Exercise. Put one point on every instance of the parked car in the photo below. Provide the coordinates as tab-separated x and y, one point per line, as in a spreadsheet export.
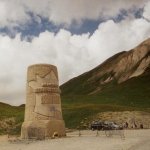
97	125
111	126
100	125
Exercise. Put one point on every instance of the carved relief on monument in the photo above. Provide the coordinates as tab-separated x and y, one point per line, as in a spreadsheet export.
50	99
46	92
40	117
50	111
49	79
41	70
43	104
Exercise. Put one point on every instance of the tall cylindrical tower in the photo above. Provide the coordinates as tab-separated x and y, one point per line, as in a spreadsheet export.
43	115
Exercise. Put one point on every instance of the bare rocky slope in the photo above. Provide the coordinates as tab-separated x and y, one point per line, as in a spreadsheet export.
117	69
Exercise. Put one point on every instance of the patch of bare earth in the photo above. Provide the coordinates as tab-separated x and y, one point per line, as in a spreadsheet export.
131	117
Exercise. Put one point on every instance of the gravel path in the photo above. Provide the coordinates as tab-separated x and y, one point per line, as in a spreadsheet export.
134	140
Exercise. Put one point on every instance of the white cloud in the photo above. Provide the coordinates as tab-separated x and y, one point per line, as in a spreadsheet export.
12	13
146	12
16	12
72	54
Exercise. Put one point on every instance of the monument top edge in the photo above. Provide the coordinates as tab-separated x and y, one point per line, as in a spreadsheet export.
41	64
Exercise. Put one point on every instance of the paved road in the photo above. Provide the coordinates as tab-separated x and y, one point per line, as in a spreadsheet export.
144	145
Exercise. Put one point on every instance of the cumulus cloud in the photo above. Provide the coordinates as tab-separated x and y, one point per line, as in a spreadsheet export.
12	13
17	12
146	12
72	54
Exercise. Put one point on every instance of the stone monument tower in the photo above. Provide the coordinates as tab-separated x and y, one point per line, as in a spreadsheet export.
43	115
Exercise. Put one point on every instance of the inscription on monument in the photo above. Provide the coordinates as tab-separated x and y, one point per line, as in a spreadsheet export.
50	99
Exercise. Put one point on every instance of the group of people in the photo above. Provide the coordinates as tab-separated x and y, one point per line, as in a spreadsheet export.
126	125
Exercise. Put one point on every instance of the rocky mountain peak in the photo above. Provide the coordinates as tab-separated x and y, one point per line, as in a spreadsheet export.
119	68
125	65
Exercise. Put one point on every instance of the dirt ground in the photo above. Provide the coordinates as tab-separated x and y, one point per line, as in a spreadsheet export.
134	140
132	117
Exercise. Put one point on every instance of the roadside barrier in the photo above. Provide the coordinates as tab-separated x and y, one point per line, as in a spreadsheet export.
106	133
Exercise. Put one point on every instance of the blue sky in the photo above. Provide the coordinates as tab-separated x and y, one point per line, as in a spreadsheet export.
34	28
76	36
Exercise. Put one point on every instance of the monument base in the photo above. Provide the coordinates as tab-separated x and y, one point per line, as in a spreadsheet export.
42	129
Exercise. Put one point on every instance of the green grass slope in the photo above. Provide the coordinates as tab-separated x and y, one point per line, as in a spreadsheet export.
11	118
133	94
89	94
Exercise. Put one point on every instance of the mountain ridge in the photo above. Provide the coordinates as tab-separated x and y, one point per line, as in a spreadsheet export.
100	90
121	83
120	68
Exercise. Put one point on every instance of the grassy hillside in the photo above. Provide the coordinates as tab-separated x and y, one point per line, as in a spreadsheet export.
11	118
108	87
133	94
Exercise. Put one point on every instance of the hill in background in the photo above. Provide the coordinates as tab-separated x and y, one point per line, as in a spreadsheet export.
121	83
11	118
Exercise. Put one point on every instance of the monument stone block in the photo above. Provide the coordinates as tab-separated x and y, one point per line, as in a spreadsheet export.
43	114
